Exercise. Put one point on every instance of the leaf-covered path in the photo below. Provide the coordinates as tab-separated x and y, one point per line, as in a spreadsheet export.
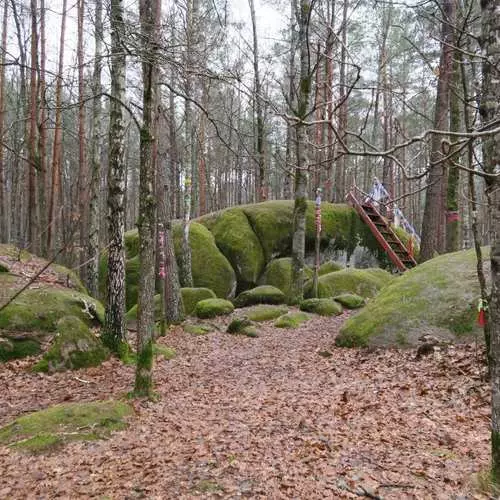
267	417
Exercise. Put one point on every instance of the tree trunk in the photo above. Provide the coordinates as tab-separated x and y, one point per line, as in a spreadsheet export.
3	50
114	329
433	224
490	111
300	205
261	189
82	194
55	191
95	158
42	137
147	206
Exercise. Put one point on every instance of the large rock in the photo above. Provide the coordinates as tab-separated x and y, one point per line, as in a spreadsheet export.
363	282
278	273
191	297
210	308
323	307
39	309
438	297
73	347
264	294
237	240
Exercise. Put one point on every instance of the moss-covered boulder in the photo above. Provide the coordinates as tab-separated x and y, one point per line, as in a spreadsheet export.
237	240
350	300
210	308
73	347
191	297
363	282
242	326
4	267
292	319
210	267
46	429
439	296
264	294
278	273
265	312
330	267
39	309
323	307
13	348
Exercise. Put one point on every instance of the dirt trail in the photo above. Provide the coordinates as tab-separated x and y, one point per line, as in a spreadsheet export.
267	417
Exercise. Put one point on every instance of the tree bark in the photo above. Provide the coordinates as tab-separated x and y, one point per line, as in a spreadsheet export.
55	191
147	206
114	329
95	158
434	220
301	170
3	218
490	111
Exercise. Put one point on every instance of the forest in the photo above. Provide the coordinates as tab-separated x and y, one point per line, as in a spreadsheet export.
250	249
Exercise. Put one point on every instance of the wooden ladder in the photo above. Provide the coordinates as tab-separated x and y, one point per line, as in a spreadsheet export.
386	237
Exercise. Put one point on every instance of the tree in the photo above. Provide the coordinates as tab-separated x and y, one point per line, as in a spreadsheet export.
301	169
95	157
114	327
3	222
490	114
433	225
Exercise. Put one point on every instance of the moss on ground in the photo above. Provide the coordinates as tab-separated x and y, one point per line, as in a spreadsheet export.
292	319
11	348
350	300
363	282
74	347
197	329
210	308
330	267
131	240
39	309
323	307
68	277
236	239
439	296
264	294
4	267
45	429
164	351
265	312
191	297
209	266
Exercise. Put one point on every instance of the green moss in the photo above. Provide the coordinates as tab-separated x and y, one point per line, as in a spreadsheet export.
14	348
329	267
60	424
4	267
210	308
236	239
239	325
131	239
278	273
191	297
264	294
209	266
292	319
350	300
166	352
14	252
72	348
363	282
265	312
68	277
39	309
197	329
438	294
323	307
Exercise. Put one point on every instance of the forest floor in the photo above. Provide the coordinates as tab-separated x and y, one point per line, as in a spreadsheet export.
270	417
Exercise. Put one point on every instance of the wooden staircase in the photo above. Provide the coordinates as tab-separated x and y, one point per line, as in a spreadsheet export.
386	237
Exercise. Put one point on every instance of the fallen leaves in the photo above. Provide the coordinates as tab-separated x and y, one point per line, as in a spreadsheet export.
266	418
